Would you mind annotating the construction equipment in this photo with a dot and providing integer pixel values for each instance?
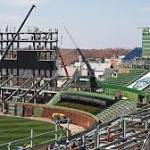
(9, 46)
(91, 72)
(60, 117)
(62, 60)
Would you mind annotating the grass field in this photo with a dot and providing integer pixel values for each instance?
(14, 128)
(86, 108)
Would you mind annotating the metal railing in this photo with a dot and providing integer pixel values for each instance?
(146, 144)
(30, 142)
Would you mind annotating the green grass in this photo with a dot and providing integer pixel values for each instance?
(86, 108)
(14, 128)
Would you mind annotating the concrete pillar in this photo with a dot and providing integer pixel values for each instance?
(123, 129)
(98, 137)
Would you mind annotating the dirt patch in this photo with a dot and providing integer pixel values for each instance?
(72, 127)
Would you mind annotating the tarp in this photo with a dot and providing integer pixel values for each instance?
(141, 83)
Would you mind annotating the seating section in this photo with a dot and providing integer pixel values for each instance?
(125, 79)
(118, 109)
(137, 52)
(147, 89)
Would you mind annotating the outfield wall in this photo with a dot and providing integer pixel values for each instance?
(132, 94)
(77, 117)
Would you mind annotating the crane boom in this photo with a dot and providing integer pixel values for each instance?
(93, 83)
(63, 63)
(8, 47)
(78, 49)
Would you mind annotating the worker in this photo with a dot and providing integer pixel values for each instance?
(24, 147)
(110, 137)
(19, 148)
(73, 145)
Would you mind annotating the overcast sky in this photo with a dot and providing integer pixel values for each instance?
(92, 23)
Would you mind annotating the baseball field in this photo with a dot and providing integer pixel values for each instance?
(16, 128)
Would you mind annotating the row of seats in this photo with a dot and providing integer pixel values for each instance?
(147, 89)
(120, 108)
(125, 79)
(136, 52)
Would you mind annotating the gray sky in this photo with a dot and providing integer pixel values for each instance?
(92, 23)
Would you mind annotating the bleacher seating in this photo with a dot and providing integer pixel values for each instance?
(118, 109)
(137, 52)
(147, 89)
(125, 79)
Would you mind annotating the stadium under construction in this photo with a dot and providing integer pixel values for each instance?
(108, 99)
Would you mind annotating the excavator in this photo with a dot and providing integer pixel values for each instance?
(91, 72)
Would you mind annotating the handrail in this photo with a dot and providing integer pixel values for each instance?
(144, 146)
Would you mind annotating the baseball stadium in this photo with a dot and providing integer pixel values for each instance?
(93, 103)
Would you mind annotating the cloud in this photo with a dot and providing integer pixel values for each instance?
(9, 19)
(21, 3)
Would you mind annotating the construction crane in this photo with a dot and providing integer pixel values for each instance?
(60, 56)
(62, 60)
(9, 46)
(91, 72)
(63, 63)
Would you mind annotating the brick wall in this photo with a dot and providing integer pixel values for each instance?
(78, 118)
(28, 110)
